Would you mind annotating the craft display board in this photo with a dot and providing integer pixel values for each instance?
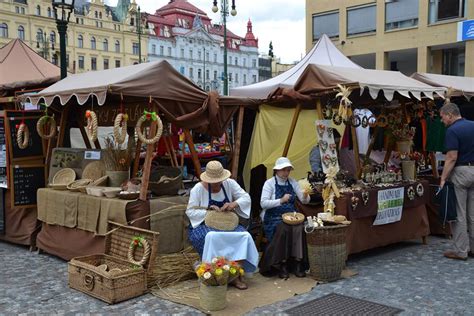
(35, 146)
(74, 158)
(327, 146)
(3, 155)
(25, 180)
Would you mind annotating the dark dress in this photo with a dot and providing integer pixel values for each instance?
(286, 242)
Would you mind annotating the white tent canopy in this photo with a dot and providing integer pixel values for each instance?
(323, 53)
(461, 85)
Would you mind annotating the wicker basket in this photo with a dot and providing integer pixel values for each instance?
(292, 218)
(165, 180)
(221, 220)
(327, 252)
(85, 276)
(94, 170)
(64, 176)
(213, 298)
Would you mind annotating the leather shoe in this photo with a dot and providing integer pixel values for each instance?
(453, 255)
(299, 271)
(283, 274)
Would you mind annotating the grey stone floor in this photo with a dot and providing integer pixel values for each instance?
(410, 276)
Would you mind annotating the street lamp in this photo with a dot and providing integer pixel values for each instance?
(62, 12)
(225, 13)
(139, 31)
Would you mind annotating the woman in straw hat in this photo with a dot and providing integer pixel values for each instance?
(218, 193)
(287, 243)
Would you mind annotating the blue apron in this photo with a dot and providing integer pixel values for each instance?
(197, 236)
(273, 215)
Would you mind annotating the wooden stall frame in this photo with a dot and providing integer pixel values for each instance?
(238, 138)
(292, 130)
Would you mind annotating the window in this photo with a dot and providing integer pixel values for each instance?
(106, 64)
(105, 43)
(169, 51)
(199, 73)
(132, 21)
(117, 64)
(327, 23)
(3, 30)
(254, 63)
(454, 61)
(96, 14)
(49, 12)
(135, 49)
(153, 49)
(117, 46)
(100, 15)
(207, 56)
(80, 41)
(245, 79)
(191, 54)
(440, 10)
(52, 37)
(361, 20)
(93, 43)
(81, 62)
(191, 75)
(54, 59)
(39, 36)
(254, 78)
(182, 52)
(162, 50)
(236, 78)
(181, 70)
(21, 32)
(207, 74)
(401, 14)
(230, 76)
(199, 55)
(93, 63)
(38, 10)
(215, 74)
(236, 61)
(215, 58)
(17, 10)
(244, 63)
(22, 10)
(230, 60)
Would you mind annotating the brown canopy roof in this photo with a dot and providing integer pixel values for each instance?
(22, 67)
(182, 102)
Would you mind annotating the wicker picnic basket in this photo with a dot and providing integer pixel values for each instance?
(124, 279)
(327, 252)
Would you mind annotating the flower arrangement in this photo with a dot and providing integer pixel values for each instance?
(404, 132)
(219, 271)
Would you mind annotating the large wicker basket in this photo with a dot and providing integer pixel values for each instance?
(327, 252)
(86, 276)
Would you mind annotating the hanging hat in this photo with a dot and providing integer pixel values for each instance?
(282, 163)
(214, 172)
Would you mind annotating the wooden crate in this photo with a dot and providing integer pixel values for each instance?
(86, 276)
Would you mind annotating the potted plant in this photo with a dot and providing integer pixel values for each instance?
(117, 160)
(213, 278)
(409, 162)
(404, 137)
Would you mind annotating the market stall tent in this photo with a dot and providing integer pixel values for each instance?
(461, 86)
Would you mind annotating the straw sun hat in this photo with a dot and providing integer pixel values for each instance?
(214, 172)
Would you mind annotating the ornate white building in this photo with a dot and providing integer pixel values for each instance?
(185, 37)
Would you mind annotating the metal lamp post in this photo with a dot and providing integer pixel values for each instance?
(225, 13)
(62, 12)
(139, 31)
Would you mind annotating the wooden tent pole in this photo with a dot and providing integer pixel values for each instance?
(319, 109)
(165, 140)
(173, 152)
(136, 160)
(355, 145)
(235, 159)
(192, 150)
(292, 129)
(62, 126)
(148, 158)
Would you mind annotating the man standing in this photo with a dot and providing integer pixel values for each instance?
(459, 168)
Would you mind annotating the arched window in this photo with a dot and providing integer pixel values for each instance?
(3, 30)
(100, 15)
(49, 12)
(80, 41)
(54, 59)
(52, 37)
(39, 36)
(38, 10)
(96, 14)
(21, 32)
(117, 46)
(93, 43)
(106, 45)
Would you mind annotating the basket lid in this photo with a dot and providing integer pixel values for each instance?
(64, 176)
(120, 238)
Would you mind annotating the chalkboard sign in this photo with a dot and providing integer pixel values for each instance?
(3, 155)
(2, 211)
(35, 147)
(25, 181)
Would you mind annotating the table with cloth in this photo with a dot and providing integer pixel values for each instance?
(363, 235)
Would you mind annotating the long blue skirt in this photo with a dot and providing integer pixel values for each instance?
(197, 236)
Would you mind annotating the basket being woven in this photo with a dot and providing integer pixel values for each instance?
(327, 252)
(221, 220)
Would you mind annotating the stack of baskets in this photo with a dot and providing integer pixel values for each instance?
(327, 252)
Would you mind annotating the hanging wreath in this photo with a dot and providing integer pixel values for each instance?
(120, 128)
(146, 117)
(42, 122)
(138, 241)
(92, 125)
(22, 135)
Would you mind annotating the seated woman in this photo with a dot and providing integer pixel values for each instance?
(216, 192)
(287, 250)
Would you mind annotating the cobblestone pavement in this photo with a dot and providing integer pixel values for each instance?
(410, 276)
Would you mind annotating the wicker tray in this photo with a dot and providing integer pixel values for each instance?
(292, 218)
(64, 176)
(94, 170)
(78, 184)
(132, 281)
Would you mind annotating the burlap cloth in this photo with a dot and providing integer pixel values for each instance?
(78, 210)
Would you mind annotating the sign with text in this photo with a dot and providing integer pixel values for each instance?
(465, 30)
(390, 206)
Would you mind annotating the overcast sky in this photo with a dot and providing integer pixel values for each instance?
(280, 21)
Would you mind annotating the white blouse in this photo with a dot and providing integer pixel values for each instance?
(199, 196)
(268, 200)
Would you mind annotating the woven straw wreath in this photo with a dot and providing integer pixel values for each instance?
(42, 122)
(92, 125)
(143, 138)
(23, 136)
(120, 132)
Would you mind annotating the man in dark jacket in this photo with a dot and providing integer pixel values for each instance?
(459, 169)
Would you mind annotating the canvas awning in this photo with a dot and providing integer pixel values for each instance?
(177, 97)
(461, 86)
(320, 78)
(22, 67)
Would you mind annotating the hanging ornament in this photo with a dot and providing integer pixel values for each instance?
(321, 128)
(149, 116)
(324, 145)
(22, 135)
(45, 119)
(92, 125)
(120, 128)
(345, 104)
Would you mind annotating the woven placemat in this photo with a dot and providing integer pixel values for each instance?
(94, 170)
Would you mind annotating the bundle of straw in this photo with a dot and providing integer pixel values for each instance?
(117, 158)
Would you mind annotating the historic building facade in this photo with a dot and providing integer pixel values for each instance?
(98, 36)
(185, 37)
